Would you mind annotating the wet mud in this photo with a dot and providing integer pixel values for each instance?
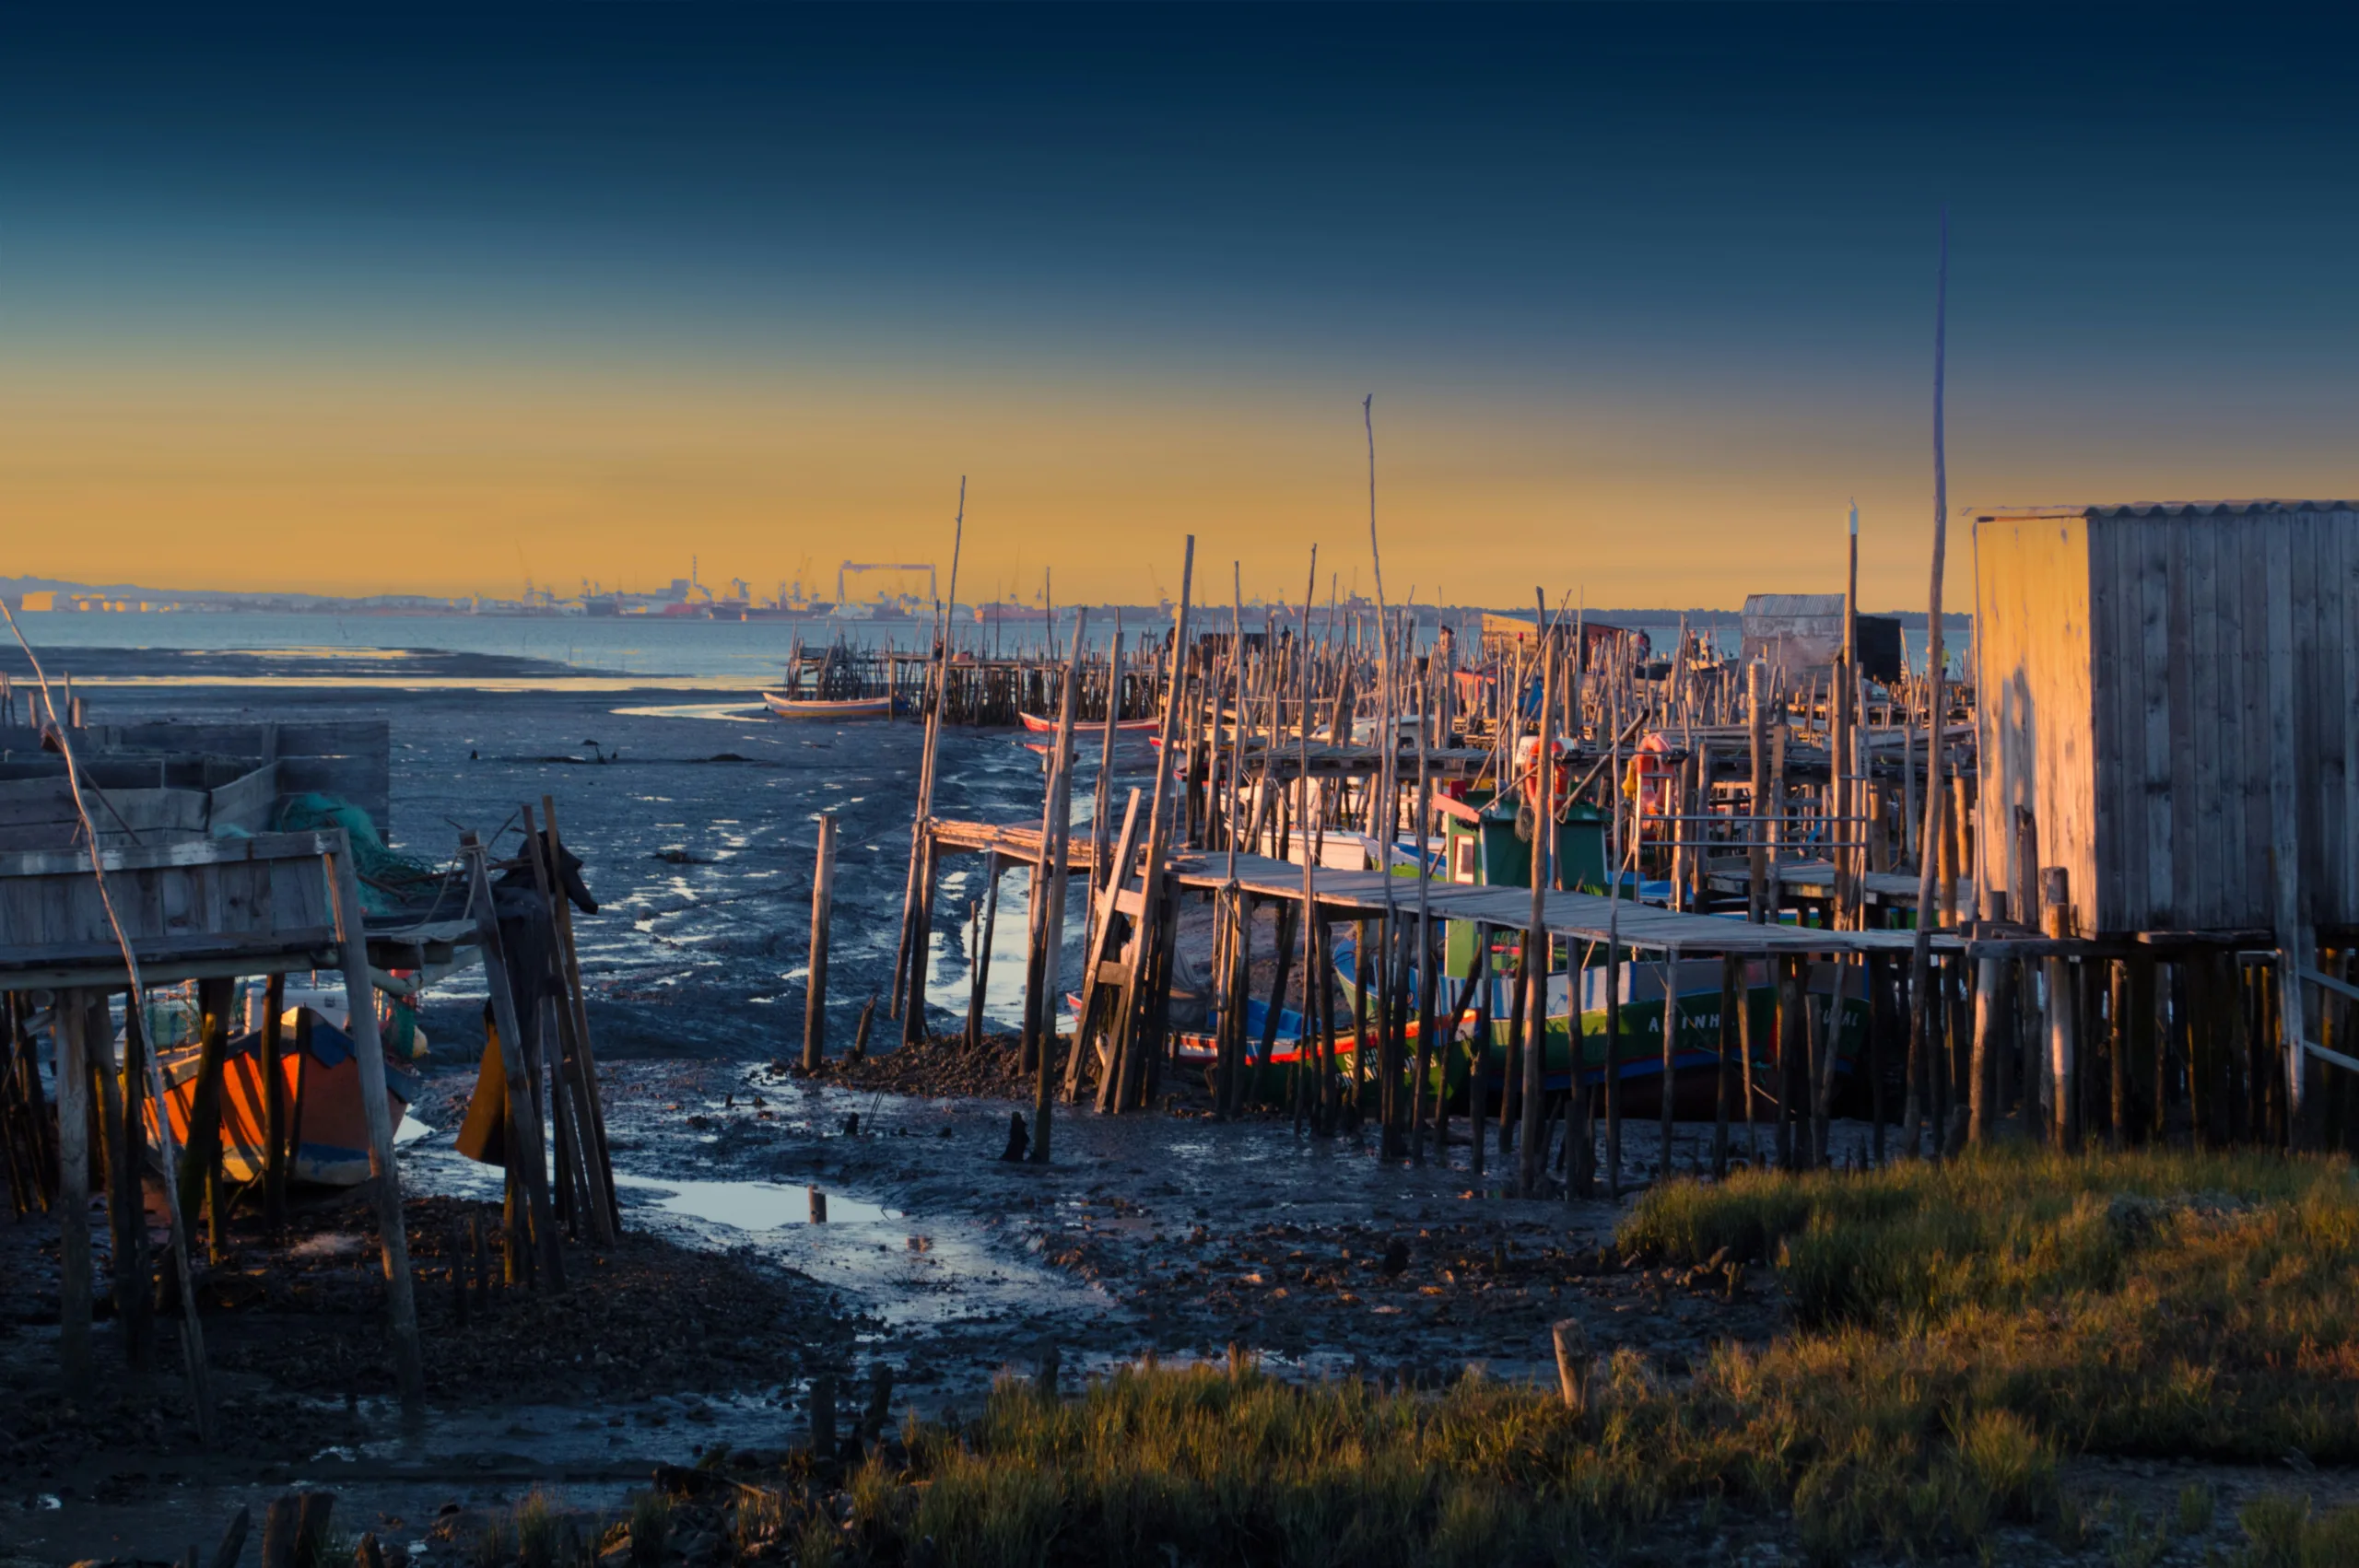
(1165, 1231)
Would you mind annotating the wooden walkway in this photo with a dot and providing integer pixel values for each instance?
(1818, 878)
(1352, 896)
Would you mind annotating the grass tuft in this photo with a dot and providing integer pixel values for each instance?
(651, 1529)
(537, 1530)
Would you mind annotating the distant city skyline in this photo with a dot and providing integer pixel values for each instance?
(432, 302)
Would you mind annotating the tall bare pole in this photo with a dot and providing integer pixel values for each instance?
(1309, 832)
(1056, 846)
(1387, 817)
(1537, 945)
(909, 965)
(1921, 956)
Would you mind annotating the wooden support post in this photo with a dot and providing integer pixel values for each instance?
(1536, 941)
(1478, 1073)
(1106, 1000)
(979, 961)
(1131, 1042)
(1290, 928)
(369, 1054)
(2064, 1013)
(1793, 1101)
(1670, 1048)
(134, 1269)
(585, 1062)
(2296, 947)
(276, 1154)
(73, 1191)
(1731, 1004)
(526, 1154)
(1056, 849)
(2141, 1046)
(1878, 972)
(1611, 1073)
(1758, 855)
(920, 940)
(823, 899)
(201, 1172)
(573, 1091)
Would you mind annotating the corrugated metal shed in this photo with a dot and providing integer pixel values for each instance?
(2170, 690)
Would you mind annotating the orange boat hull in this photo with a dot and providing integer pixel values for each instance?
(322, 1088)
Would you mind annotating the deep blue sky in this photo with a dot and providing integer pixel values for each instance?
(1600, 266)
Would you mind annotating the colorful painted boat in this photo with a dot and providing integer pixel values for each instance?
(323, 1087)
(1040, 726)
(826, 709)
(1195, 1052)
(1639, 1062)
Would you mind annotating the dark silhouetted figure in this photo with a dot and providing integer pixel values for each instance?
(1018, 1141)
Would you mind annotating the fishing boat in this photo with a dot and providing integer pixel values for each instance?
(322, 1088)
(826, 708)
(1638, 1061)
(1267, 1080)
(1040, 726)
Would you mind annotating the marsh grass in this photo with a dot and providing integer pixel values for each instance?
(651, 1529)
(1959, 1328)
(2200, 1303)
(537, 1530)
(2282, 1531)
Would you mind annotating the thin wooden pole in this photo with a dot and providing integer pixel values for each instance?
(1536, 941)
(1131, 1044)
(369, 1054)
(1921, 956)
(980, 960)
(526, 1152)
(586, 1060)
(134, 1270)
(1758, 854)
(1731, 1000)
(823, 899)
(1056, 846)
(73, 1191)
(275, 1152)
(572, 1090)
(201, 1173)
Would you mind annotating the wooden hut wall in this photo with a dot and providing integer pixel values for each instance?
(2033, 690)
(2192, 609)
(2141, 650)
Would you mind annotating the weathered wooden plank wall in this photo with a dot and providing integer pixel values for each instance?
(2160, 687)
(2030, 644)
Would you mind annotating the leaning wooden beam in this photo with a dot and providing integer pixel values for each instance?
(525, 1152)
(1921, 958)
(70, 1026)
(1059, 834)
(369, 1054)
(200, 1386)
(1130, 1043)
(572, 1090)
(571, 957)
(823, 894)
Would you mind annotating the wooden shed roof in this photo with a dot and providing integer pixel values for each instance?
(2172, 509)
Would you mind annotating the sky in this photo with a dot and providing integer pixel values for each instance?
(435, 300)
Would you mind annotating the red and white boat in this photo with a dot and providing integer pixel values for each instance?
(1040, 726)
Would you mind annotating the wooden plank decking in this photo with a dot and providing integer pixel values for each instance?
(1579, 916)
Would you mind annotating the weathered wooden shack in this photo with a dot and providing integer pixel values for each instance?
(167, 782)
(1802, 633)
(2170, 712)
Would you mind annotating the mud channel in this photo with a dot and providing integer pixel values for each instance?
(1164, 1232)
